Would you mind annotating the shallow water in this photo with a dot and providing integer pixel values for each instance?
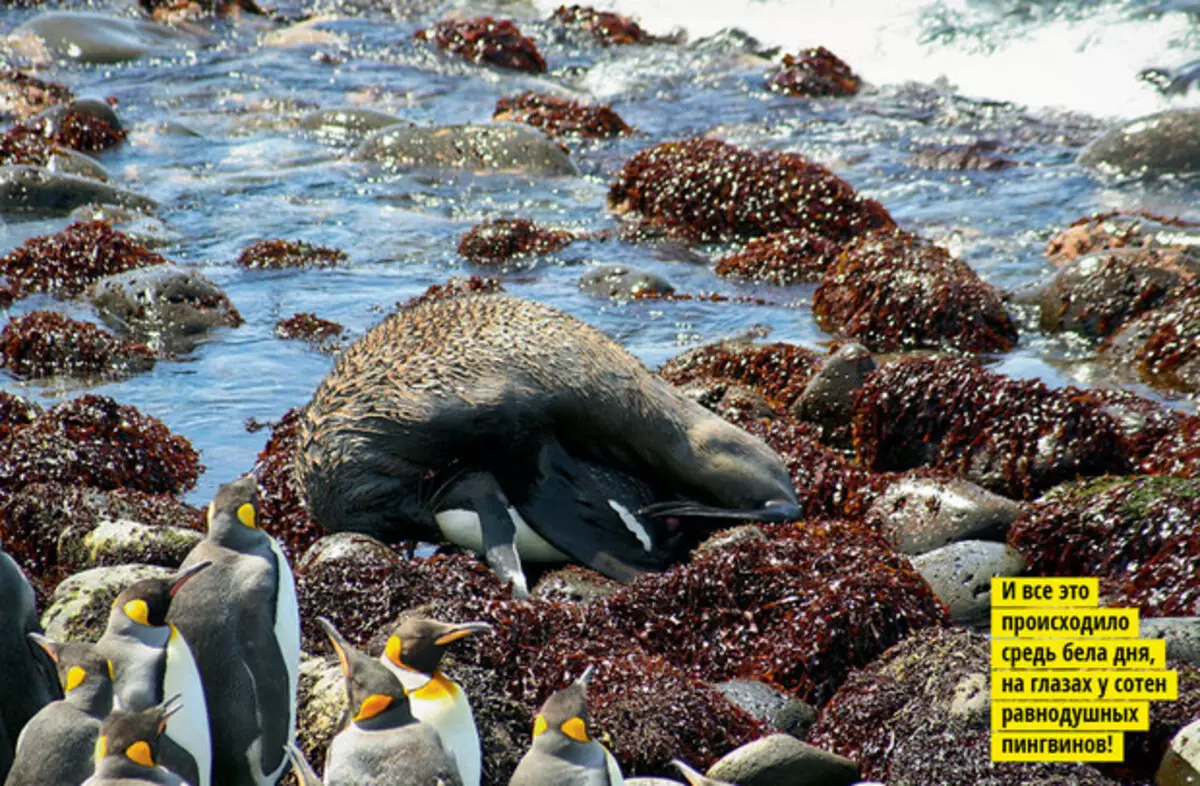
(250, 174)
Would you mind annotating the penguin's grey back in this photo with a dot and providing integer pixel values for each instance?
(411, 755)
(540, 767)
(56, 747)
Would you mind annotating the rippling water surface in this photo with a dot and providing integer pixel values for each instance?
(1040, 77)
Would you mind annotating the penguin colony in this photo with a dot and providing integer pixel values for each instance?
(539, 438)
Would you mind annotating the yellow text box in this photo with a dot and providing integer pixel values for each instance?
(1079, 654)
(1095, 746)
(1160, 685)
(1065, 623)
(1044, 593)
(1070, 716)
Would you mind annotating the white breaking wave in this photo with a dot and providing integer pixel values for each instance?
(1088, 65)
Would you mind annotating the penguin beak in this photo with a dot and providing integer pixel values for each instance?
(586, 677)
(47, 644)
(688, 773)
(462, 631)
(169, 708)
(339, 644)
(183, 576)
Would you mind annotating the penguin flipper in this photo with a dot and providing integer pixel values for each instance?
(305, 774)
(264, 660)
(577, 514)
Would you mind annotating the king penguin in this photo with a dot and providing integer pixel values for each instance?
(564, 753)
(243, 621)
(383, 744)
(56, 746)
(414, 653)
(127, 749)
(152, 661)
(27, 676)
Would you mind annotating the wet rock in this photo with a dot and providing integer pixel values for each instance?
(320, 707)
(71, 162)
(708, 190)
(1138, 534)
(502, 147)
(1181, 763)
(977, 155)
(80, 606)
(488, 41)
(781, 258)
(896, 718)
(606, 27)
(623, 283)
(46, 344)
(23, 96)
(828, 398)
(1137, 229)
(735, 403)
(85, 124)
(123, 541)
(165, 305)
(1147, 425)
(284, 254)
(561, 117)
(1167, 143)
(1016, 438)
(346, 546)
(773, 706)
(572, 584)
(322, 334)
(1094, 295)
(1176, 453)
(15, 412)
(141, 228)
(1182, 635)
(961, 575)
(892, 291)
(346, 121)
(34, 189)
(1163, 344)
(814, 73)
(500, 240)
(919, 514)
(781, 758)
(100, 38)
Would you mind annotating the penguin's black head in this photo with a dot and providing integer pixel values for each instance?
(135, 736)
(418, 644)
(377, 699)
(147, 602)
(233, 512)
(78, 663)
(564, 716)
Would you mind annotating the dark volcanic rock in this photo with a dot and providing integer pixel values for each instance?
(1138, 533)
(1167, 143)
(1163, 344)
(1104, 231)
(781, 258)
(46, 344)
(282, 254)
(894, 718)
(892, 291)
(623, 283)
(708, 190)
(605, 26)
(561, 117)
(499, 240)
(64, 264)
(977, 155)
(814, 73)
(488, 41)
(1017, 438)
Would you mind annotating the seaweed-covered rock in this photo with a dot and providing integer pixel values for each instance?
(624, 283)
(814, 73)
(454, 287)
(918, 514)
(499, 240)
(488, 41)
(320, 707)
(45, 344)
(22, 95)
(709, 190)
(281, 254)
(781, 258)
(124, 541)
(1148, 425)
(15, 412)
(1105, 231)
(894, 718)
(979, 155)
(574, 584)
(65, 263)
(1096, 294)
(778, 371)
(80, 606)
(1176, 453)
(1137, 533)
(605, 26)
(559, 116)
(94, 441)
(283, 514)
(498, 147)
(892, 291)
(1163, 344)
(1017, 438)
(86, 125)
(1167, 143)
(320, 333)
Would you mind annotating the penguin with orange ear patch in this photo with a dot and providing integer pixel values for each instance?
(128, 747)
(564, 753)
(383, 744)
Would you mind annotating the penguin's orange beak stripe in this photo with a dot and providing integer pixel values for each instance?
(372, 706)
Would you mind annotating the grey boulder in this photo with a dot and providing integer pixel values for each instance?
(497, 147)
(961, 574)
(33, 189)
(101, 38)
(783, 759)
(1161, 144)
(918, 515)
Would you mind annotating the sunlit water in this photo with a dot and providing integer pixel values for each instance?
(942, 73)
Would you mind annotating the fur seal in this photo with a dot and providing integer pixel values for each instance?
(551, 438)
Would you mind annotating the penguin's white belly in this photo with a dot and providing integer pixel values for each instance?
(462, 528)
(189, 726)
(455, 724)
(287, 630)
(615, 778)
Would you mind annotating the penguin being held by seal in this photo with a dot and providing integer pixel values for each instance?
(127, 749)
(152, 662)
(513, 429)
(27, 675)
(383, 744)
(414, 654)
(57, 745)
(564, 753)
(243, 621)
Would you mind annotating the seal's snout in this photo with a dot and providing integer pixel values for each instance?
(779, 510)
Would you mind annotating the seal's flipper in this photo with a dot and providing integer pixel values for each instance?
(481, 493)
(590, 514)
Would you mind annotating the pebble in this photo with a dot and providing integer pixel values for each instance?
(918, 515)
(961, 573)
(783, 759)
